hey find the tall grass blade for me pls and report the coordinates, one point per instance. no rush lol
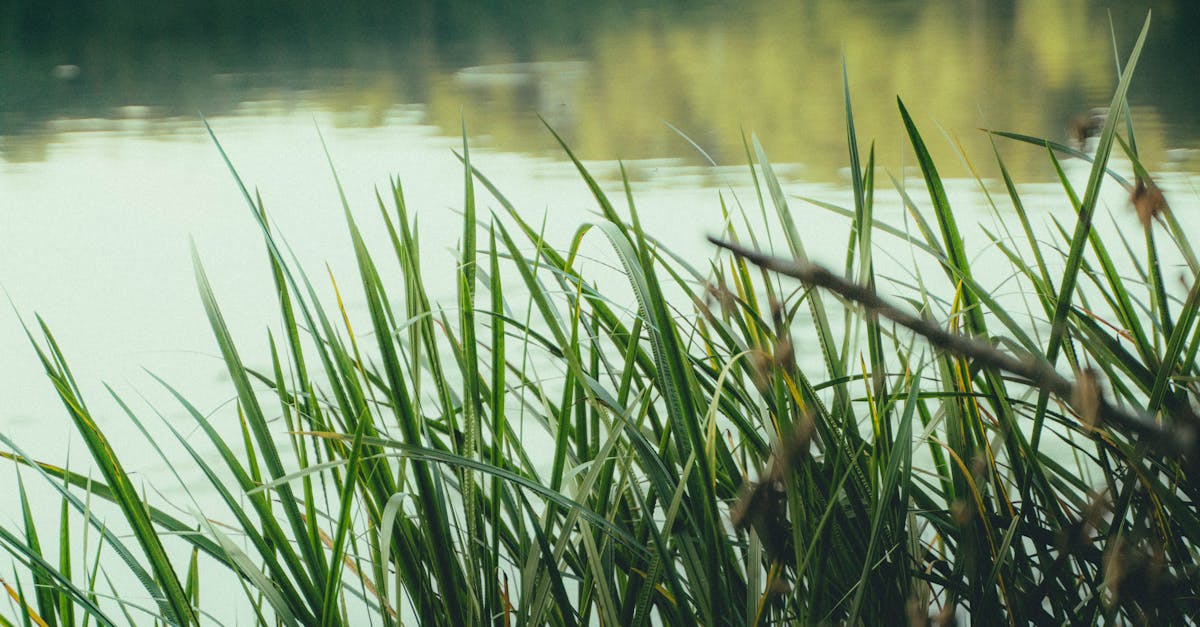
(164, 586)
(1058, 325)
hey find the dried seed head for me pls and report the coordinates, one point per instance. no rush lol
(961, 512)
(760, 367)
(784, 353)
(1086, 125)
(1086, 398)
(721, 294)
(778, 587)
(1098, 507)
(1114, 569)
(918, 614)
(979, 466)
(763, 507)
(1148, 200)
(946, 617)
(794, 446)
(777, 311)
(739, 514)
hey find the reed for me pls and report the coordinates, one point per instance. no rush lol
(697, 474)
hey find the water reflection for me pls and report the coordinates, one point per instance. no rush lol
(606, 78)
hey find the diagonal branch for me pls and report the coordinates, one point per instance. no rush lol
(1083, 396)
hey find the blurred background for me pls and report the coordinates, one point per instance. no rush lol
(606, 74)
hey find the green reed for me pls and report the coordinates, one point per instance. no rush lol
(697, 475)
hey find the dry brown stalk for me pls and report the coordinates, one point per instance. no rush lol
(1179, 439)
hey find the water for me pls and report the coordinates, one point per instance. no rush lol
(106, 171)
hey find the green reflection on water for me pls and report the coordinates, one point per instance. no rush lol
(606, 76)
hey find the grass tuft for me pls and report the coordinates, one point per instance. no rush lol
(544, 451)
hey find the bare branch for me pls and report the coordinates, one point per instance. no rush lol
(1180, 439)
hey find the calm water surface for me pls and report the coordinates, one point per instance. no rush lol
(106, 170)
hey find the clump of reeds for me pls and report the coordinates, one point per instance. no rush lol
(697, 476)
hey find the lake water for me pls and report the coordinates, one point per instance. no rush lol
(106, 170)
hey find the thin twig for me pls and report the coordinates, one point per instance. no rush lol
(1180, 439)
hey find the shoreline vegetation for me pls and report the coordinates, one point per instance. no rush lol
(539, 453)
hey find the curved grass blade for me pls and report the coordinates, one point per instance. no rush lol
(1058, 325)
(44, 570)
(173, 600)
(135, 567)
